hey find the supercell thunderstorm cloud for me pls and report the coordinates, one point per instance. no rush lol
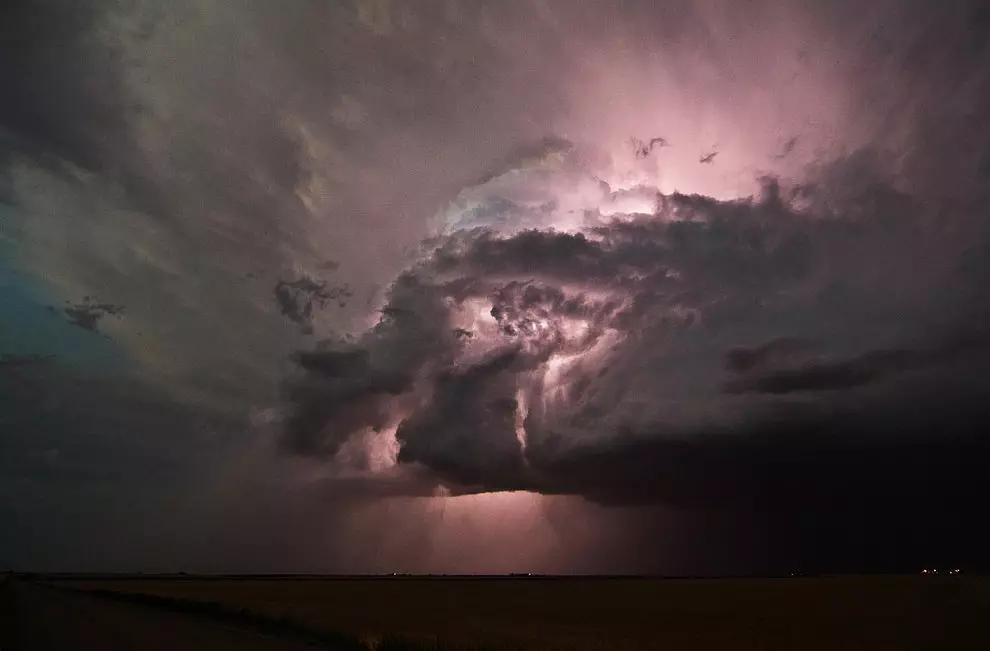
(695, 350)
(376, 286)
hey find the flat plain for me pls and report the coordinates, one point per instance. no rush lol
(595, 614)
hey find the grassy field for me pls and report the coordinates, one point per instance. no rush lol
(876, 613)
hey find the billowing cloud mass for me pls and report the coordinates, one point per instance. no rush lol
(686, 354)
(691, 286)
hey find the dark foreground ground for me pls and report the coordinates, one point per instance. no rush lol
(38, 617)
(876, 613)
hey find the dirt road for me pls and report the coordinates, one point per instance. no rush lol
(34, 618)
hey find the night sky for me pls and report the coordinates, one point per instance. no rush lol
(687, 287)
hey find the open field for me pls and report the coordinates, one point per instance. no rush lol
(897, 612)
(36, 618)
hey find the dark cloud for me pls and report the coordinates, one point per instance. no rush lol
(746, 359)
(875, 488)
(344, 390)
(468, 432)
(298, 298)
(643, 149)
(767, 368)
(833, 376)
(861, 447)
(653, 399)
(88, 314)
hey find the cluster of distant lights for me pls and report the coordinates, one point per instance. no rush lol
(935, 571)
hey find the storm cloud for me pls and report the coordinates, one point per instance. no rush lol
(683, 356)
(543, 280)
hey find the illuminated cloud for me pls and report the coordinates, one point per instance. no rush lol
(680, 353)
(530, 290)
